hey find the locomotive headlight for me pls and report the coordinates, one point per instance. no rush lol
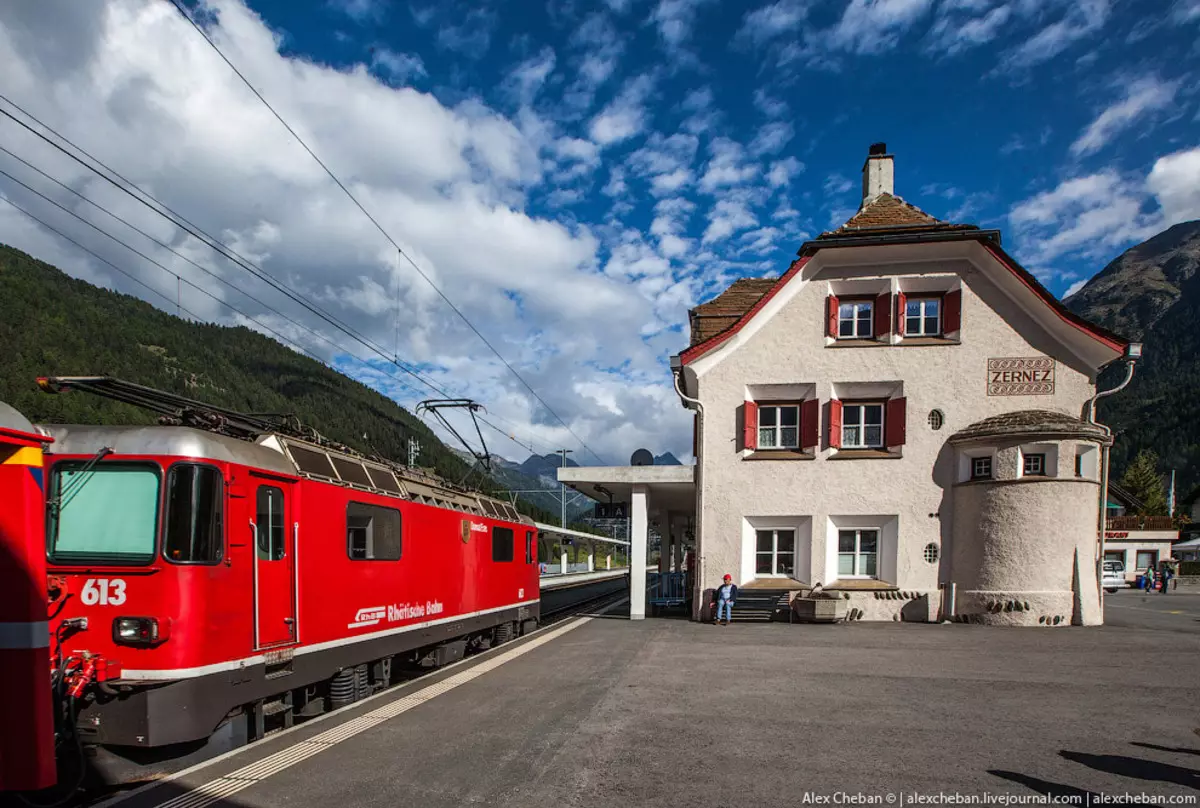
(140, 630)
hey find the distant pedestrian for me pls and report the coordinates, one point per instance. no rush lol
(725, 596)
(1166, 577)
(1148, 579)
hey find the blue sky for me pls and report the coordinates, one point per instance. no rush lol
(575, 176)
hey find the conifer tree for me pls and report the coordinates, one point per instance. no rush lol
(1142, 480)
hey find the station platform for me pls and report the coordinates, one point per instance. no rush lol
(560, 581)
(602, 711)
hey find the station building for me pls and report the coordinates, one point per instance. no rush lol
(906, 417)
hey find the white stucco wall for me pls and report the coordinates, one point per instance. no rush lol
(913, 493)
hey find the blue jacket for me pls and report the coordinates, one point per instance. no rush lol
(732, 593)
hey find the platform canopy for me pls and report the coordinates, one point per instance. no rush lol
(666, 494)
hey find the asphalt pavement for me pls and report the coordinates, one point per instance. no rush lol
(672, 713)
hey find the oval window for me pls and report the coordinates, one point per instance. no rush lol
(931, 553)
(936, 419)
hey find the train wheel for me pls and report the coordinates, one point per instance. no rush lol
(503, 633)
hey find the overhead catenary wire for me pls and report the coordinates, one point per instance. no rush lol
(187, 16)
(159, 293)
(161, 209)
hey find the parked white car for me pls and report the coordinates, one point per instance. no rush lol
(1113, 576)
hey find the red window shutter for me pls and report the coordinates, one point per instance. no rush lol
(750, 427)
(831, 320)
(894, 421)
(952, 312)
(883, 316)
(901, 312)
(810, 418)
(835, 424)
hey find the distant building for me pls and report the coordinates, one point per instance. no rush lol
(904, 409)
(1136, 541)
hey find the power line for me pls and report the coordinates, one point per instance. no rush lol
(183, 12)
(161, 209)
(179, 279)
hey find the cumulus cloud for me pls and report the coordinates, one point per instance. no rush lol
(1093, 215)
(727, 167)
(448, 182)
(782, 171)
(399, 67)
(674, 19)
(764, 24)
(726, 218)
(771, 138)
(1141, 97)
(624, 116)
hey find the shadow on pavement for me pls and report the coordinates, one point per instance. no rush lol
(1078, 796)
(1137, 768)
(1178, 750)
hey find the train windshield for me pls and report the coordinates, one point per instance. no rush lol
(105, 514)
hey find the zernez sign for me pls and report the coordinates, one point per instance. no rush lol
(1033, 376)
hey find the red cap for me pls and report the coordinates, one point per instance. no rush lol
(728, 577)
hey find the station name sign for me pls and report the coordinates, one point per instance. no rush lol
(611, 510)
(1016, 376)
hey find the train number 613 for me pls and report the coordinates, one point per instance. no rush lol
(103, 591)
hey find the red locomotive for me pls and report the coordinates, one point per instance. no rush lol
(218, 579)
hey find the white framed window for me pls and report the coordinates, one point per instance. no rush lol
(775, 552)
(778, 426)
(923, 317)
(1147, 558)
(862, 426)
(856, 319)
(981, 468)
(858, 553)
(1034, 465)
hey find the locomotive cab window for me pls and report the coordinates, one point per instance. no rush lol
(529, 547)
(102, 512)
(194, 533)
(502, 544)
(268, 523)
(372, 532)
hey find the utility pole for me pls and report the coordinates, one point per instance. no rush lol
(414, 451)
(562, 519)
(1171, 496)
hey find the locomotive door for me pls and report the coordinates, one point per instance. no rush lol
(274, 565)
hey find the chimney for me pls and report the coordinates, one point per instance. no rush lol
(878, 173)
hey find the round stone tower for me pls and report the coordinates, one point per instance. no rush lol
(1025, 516)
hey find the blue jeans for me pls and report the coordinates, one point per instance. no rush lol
(724, 607)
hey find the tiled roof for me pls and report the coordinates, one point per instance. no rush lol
(724, 310)
(1029, 423)
(890, 212)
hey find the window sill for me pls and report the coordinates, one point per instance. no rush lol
(929, 341)
(1026, 481)
(780, 454)
(864, 342)
(864, 454)
(860, 585)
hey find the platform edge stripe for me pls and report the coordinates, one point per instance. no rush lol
(207, 794)
(237, 780)
(276, 763)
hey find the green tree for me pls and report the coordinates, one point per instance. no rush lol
(1143, 481)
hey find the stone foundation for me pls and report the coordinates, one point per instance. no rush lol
(1014, 608)
(908, 606)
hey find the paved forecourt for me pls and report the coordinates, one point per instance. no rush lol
(670, 713)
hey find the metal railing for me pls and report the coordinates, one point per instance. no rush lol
(1135, 522)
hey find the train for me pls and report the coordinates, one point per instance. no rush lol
(216, 576)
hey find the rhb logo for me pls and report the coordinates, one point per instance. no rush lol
(478, 527)
(368, 617)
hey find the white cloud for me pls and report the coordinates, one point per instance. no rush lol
(1141, 96)
(953, 33)
(727, 167)
(1075, 287)
(771, 138)
(359, 10)
(726, 218)
(703, 116)
(1081, 19)
(600, 47)
(782, 171)
(1175, 183)
(675, 18)
(837, 184)
(1187, 11)
(871, 26)
(449, 182)
(400, 67)
(770, 106)
(624, 116)
(527, 78)
(764, 24)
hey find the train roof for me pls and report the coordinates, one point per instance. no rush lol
(284, 455)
